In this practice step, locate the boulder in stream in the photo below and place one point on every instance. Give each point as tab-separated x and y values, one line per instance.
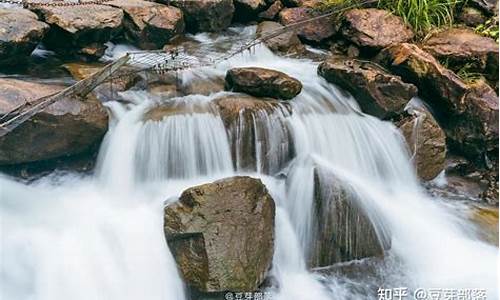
378	92
262	82
205	15
222	234
73	28
20	33
150	25
443	89
272	11
426	141
313	32
67	127
251	122
374	28
286	43
342	230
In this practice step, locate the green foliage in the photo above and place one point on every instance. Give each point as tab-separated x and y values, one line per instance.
489	29
422	15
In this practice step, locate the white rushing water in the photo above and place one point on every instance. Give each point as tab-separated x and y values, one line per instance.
69	236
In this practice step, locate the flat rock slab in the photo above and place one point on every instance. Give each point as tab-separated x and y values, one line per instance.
374	28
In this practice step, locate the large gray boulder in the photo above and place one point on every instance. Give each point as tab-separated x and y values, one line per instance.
262	82
150	25
378	92
342	229
314	32
20	33
286	43
222	234
67	127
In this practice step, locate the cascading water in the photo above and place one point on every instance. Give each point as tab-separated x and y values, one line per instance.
101	237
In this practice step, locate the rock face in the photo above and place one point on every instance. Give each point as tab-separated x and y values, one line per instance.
378	93
442	88
272	11
426	141
462	45
249	121
205	15
475	132
262	82
374	28
77	27
343	230
315	31
222	234
67	127
150	25
285	43
20	33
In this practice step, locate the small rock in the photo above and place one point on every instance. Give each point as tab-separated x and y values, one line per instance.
444	90
205	15
262	82
378	93
20	33
314	32
150	25
67	127
461	45
489	7
272	11
222	234
246	10
374	28
286	43
76	27
426	141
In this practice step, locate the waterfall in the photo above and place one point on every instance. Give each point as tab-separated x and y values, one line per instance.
68	236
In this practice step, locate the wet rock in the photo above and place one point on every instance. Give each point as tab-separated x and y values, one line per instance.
475	132
286	43
222	234
272	11
378	93
374	28
205	15
472	17
163	90
20	33
262	82
249	122
246	10
314	32
442	88
203	86
461	45
150	25
343	230
486	220
489	7
426	141
67	127
106	91
77	27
